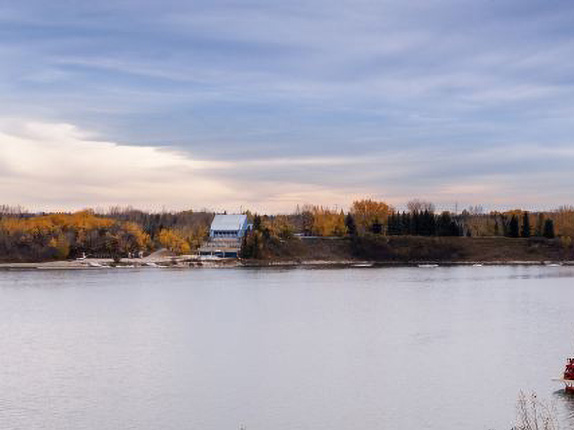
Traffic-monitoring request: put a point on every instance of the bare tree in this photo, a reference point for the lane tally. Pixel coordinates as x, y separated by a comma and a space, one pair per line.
417, 205
476, 210
532, 414
6, 210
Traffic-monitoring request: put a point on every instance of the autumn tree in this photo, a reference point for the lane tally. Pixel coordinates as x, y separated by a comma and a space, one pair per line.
480, 224
366, 212
174, 241
186, 222
525, 230
125, 238
539, 230
65, 235
327, 222
59, 246
116, 233
283, 227
252, 245
564, 221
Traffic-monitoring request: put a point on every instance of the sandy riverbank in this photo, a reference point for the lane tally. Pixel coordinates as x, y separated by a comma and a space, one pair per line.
187, 262
108, 263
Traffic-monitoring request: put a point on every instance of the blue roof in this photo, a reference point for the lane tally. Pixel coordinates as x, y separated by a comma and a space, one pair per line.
229, 222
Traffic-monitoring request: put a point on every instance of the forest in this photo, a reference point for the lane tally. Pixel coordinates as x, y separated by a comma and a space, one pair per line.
369, 219
122, 232
115, 234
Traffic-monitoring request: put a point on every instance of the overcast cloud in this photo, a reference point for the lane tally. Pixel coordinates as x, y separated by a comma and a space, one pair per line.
267, 104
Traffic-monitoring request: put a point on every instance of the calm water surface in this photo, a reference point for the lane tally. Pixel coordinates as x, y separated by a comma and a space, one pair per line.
270, 349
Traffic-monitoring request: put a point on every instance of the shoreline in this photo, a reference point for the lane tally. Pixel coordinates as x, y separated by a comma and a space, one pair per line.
186, 263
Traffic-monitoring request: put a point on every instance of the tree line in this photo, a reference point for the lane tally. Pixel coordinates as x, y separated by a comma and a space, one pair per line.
124, 231
114, 234
421, 219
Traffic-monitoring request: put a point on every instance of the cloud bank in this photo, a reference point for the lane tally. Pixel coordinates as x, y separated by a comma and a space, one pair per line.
59, 166
56, 166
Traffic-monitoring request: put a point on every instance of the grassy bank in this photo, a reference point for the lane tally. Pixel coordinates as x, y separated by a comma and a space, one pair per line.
409, 249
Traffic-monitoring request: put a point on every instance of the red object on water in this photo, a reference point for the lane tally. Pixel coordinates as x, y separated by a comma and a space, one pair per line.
569, 375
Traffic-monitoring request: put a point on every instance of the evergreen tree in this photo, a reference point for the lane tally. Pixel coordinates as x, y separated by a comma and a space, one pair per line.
252, 245
406, 224
392, 225
505, 226
539, 225
350, 224
549, 229
425, 227
257, 222
443, 224
432, 224
377, 227
456, 228
429, 224
246, 250
525, 231
414, 227
446, 225
513, 227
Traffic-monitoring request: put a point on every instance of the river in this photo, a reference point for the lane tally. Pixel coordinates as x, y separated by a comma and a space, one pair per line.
282, 349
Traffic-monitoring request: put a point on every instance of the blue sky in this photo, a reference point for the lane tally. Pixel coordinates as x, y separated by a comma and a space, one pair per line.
269, 104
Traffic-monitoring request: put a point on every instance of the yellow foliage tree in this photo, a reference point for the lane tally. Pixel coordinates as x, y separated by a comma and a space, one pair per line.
60, 245
327, 222
193, 235
173, 241
55, 235
280, 226
366, 212
564, 221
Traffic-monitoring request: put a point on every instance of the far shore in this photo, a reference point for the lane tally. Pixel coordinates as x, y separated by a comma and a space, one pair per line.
186, 262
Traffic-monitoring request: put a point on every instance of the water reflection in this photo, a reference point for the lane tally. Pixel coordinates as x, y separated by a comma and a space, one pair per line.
565, 408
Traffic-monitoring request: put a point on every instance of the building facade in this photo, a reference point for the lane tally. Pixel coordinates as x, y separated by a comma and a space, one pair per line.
225, 235
228, 227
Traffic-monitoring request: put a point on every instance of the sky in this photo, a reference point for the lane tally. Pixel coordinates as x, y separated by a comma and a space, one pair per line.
266, 105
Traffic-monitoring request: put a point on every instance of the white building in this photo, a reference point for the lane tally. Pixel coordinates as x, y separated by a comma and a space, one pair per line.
228, 227
225, 236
